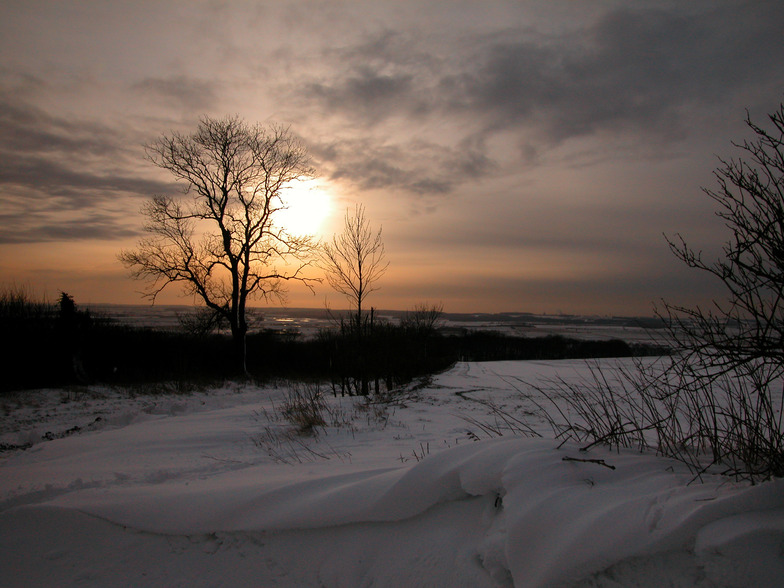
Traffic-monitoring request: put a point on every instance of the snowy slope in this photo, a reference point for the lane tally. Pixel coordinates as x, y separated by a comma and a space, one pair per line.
214, 489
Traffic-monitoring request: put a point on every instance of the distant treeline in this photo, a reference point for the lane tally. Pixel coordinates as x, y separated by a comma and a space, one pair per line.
57, 344
393, 355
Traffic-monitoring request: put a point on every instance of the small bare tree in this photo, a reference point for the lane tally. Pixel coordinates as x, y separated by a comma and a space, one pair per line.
423, 318
222, 243
354, 260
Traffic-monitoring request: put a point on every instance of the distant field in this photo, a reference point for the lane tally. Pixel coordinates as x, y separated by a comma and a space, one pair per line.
308, 321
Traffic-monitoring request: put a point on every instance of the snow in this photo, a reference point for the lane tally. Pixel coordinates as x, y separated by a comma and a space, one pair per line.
215, 488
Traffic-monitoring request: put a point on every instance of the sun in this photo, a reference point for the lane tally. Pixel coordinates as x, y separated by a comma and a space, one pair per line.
308, 204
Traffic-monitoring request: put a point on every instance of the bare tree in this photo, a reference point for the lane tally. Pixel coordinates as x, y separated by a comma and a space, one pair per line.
354, 260
749, 326
732, 355
222, 243
423, 318
353, 263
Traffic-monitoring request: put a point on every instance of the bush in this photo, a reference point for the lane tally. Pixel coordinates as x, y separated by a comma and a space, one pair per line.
38, 344
726, 425
716, 403
50, 345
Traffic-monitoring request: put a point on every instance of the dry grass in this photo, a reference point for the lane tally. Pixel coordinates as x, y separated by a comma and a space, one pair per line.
723, 422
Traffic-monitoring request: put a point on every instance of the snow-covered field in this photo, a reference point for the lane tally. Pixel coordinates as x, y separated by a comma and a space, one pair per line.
215, 488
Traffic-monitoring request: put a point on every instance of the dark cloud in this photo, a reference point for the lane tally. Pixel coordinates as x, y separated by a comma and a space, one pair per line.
43, 228
179, 92
417, 167
366, 93
552, 124
27, 129
634, 72
381, 76
53, 168
82, 187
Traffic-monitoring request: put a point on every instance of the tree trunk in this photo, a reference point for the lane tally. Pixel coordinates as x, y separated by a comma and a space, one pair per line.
240, 351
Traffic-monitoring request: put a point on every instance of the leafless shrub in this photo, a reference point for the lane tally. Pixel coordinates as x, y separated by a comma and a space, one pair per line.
19, 303
725, 424
716, 403
424, 451
200, 322
423, 318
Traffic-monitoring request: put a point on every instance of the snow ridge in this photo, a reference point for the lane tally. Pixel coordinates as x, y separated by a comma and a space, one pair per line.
184, 497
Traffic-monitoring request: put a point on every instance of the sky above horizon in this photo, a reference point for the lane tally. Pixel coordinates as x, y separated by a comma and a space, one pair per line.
519, 155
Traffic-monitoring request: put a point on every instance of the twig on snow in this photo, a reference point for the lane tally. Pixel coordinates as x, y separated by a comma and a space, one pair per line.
598, 461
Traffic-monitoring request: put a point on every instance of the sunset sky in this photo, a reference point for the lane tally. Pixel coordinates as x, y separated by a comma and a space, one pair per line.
520, 155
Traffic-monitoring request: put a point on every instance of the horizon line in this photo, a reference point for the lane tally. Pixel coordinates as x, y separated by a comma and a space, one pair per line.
388, 310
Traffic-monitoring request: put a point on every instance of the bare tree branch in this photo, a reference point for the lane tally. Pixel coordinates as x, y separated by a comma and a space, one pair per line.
748, 327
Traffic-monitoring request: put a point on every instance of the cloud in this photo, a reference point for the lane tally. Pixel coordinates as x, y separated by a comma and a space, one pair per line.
81, 187
631, 76
66, 179
632, 70
368, 94
383, 75
27, 129
179, 92
416, 166
38, 227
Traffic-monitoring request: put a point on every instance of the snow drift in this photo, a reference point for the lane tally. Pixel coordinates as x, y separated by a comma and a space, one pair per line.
185, 498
